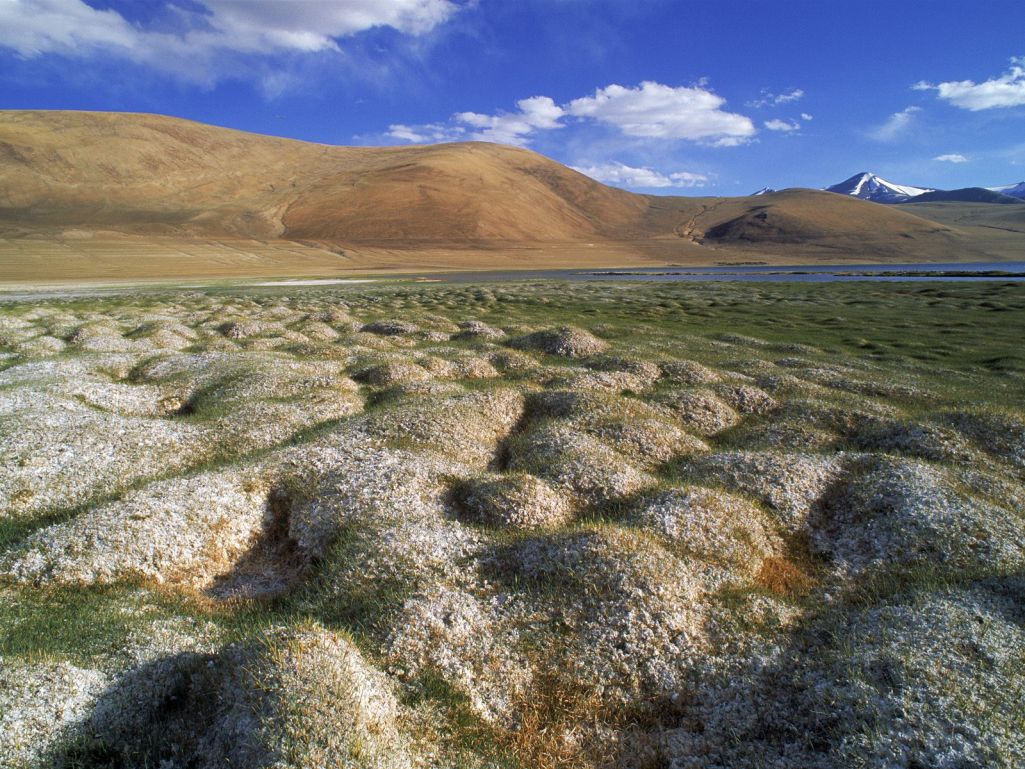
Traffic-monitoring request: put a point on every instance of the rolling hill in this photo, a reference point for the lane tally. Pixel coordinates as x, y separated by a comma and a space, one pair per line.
115, 195
967, 195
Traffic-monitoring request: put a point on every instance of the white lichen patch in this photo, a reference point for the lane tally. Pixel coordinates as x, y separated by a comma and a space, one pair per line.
790, 484
183, 530
901, 512
579, 463
40, 704
468, 427
567, 341
247, 527
452, 634
59, 452
711, 525
631, 611
517, 501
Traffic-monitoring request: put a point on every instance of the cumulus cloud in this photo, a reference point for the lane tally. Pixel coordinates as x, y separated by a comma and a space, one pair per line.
533, 114
653, 110
627, 176
178, 35
895, 125
769, 99
1007, 90
782, 125
650, 110
953, 157
806, 117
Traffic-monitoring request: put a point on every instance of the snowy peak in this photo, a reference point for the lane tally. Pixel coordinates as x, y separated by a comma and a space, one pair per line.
1014, 190
762, 191
868, 186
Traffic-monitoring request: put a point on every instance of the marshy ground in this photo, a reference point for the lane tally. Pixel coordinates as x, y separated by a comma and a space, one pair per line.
515, 525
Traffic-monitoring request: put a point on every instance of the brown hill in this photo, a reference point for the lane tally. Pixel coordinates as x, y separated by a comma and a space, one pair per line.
90, 186
146, 173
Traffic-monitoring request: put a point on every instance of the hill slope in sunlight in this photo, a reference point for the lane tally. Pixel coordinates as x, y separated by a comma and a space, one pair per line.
137, 182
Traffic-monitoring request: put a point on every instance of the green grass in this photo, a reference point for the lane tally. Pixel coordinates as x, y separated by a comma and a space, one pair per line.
955, 346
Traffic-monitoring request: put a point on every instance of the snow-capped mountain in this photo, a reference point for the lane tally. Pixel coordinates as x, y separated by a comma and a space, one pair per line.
1014, 190
868, 186
762, 191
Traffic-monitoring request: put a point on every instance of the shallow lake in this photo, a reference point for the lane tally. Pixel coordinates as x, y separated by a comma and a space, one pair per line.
935, 271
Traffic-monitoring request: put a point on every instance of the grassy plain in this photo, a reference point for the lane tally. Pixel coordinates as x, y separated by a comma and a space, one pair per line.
860, 445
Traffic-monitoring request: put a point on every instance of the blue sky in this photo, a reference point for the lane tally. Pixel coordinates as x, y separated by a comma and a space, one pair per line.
710, 97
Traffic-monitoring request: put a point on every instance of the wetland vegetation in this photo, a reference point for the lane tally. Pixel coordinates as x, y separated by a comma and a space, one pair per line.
519, 524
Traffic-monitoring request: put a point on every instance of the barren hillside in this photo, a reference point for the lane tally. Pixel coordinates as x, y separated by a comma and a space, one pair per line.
85, 194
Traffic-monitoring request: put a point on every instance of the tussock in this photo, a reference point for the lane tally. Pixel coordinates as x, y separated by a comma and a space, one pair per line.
566, 341
518, 501
237, 530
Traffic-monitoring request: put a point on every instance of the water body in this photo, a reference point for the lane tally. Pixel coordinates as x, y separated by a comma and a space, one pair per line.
750, 273
937, 271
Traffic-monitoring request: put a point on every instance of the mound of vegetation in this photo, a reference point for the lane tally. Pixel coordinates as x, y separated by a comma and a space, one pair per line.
723, 526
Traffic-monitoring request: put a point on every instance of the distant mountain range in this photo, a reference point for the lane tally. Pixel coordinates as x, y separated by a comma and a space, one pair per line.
868, 186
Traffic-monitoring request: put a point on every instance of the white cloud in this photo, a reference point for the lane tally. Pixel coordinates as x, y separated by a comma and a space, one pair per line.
953, 157
806, 117
34, 27
1007, 90
425, 134
896, 125
769, 99
628, 176
653, 110
782, 125
184, 36
534, 114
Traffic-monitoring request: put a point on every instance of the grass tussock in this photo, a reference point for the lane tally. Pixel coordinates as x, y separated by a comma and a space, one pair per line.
512, 525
